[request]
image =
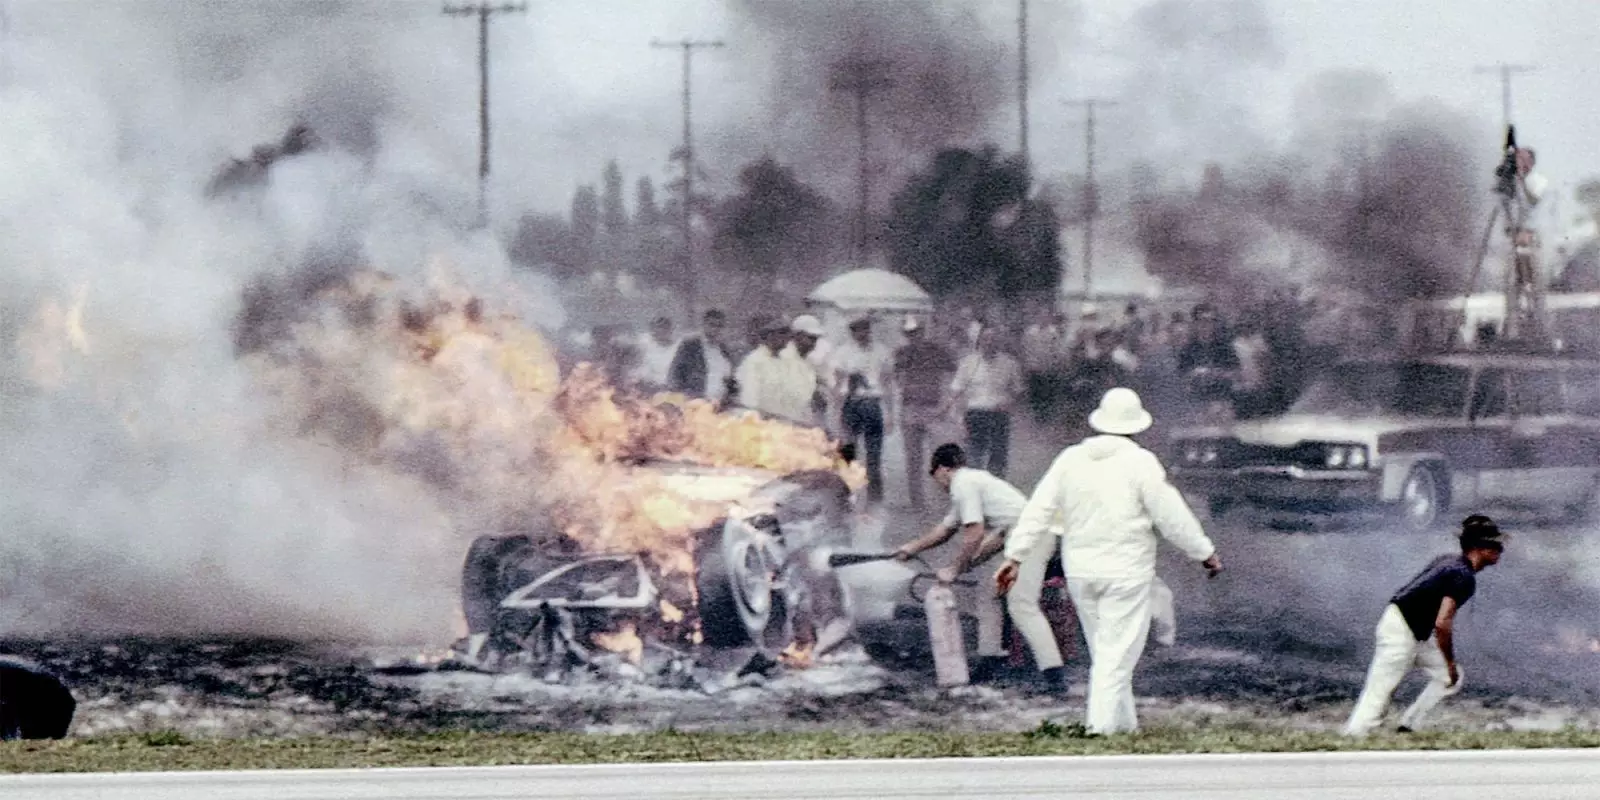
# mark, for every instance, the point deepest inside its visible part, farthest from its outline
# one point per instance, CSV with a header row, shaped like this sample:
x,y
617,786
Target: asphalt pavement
x,y
1500,775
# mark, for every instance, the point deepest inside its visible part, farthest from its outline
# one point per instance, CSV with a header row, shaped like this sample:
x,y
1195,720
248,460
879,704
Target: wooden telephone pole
x,y
688,46
483,10
1091,192
861,77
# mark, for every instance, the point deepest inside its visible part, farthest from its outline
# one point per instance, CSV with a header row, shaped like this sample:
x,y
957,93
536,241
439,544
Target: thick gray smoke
x,y
945,76
1364,193
147,487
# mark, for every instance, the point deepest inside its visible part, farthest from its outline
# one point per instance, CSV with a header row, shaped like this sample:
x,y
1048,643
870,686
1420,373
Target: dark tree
x,y
645,211
775,224
613,210
965,227
546,243
585,215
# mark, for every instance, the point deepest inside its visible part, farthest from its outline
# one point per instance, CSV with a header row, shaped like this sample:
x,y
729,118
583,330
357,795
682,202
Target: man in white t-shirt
x,y
656,352
863,371
987,385
984,507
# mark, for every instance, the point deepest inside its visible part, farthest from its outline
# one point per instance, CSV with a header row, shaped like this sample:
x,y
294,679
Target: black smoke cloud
x,y
948,77
1366,193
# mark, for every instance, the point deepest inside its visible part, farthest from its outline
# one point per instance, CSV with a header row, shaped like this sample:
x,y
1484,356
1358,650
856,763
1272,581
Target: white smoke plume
x,y
145,489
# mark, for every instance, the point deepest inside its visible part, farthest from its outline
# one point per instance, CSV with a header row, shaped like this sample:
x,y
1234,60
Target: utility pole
x,y
861,77
1505,71
5,42
1022,81
483,10
688,46
1091,193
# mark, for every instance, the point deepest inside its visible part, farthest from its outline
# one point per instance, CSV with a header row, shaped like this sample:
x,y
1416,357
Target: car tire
x,y
1422,500
33,703
483,577
736,600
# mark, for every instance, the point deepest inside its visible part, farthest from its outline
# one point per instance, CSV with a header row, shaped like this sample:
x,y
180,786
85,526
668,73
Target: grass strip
x,y
169,750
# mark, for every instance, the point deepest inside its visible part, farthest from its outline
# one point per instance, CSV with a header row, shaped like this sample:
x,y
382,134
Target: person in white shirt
x,y
805,334
1109,498
987,384
984,507
864,375
773,384
656,352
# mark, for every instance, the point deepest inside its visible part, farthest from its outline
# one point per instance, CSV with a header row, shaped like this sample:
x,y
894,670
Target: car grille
x,y
1239,454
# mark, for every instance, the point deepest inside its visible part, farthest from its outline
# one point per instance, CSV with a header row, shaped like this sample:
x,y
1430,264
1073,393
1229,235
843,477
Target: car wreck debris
x,y
33,703
240,173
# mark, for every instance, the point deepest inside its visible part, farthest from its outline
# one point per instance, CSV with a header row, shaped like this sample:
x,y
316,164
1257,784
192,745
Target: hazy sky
x,y
579,64
577,82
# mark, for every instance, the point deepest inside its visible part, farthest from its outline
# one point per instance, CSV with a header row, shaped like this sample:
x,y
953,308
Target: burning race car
x,y
760,581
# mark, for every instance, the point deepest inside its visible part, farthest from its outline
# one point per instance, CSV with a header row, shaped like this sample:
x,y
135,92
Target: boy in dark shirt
x,y
1417,630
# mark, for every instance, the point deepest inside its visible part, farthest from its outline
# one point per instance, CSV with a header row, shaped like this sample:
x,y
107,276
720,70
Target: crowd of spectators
x,y
955,368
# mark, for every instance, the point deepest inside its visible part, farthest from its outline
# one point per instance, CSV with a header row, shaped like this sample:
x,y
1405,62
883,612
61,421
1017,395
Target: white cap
x,y
1121,414
911,324
807,324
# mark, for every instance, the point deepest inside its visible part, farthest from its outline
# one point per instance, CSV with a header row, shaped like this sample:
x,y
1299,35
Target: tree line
x,y
965,225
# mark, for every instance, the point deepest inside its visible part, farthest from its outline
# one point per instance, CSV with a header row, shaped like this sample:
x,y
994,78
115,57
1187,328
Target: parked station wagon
x,y
1414,437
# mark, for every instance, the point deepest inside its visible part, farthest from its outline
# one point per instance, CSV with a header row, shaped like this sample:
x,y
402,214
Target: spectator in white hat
x,y
772,384
1109,498
808,358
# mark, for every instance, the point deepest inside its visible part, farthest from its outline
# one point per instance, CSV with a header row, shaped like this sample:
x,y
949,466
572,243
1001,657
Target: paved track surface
x,y
1501,775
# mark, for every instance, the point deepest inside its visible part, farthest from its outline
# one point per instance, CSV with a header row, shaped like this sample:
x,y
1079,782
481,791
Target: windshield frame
x,y
1326,395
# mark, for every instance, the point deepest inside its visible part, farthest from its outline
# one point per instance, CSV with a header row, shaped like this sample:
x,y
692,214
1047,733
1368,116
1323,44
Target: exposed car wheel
x,y
33,703
484,577
734,582
1422,499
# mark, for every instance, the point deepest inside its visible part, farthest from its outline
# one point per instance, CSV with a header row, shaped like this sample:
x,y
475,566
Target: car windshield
x,y
1431,390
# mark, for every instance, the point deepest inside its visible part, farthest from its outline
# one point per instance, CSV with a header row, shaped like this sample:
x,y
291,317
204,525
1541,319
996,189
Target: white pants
x,y
1115,615
1023,603
1397,652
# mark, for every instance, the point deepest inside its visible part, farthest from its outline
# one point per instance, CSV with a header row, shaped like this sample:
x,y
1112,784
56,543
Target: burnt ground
x,y
1282,638
262,687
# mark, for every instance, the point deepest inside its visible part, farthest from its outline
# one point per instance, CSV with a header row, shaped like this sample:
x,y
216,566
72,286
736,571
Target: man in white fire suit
x,y
1109,497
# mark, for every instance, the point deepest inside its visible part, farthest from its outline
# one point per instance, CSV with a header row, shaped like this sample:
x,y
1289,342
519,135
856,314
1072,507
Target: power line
x,y
1505,71
861,77
483,11
1022,79
688,46
1091,192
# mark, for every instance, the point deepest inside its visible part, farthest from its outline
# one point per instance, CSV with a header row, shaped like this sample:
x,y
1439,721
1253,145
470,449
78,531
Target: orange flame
x,y
624,641
797,655
526,447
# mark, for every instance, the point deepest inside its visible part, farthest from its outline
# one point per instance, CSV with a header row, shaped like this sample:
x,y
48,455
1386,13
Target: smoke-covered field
x,y
1245,654
1281,638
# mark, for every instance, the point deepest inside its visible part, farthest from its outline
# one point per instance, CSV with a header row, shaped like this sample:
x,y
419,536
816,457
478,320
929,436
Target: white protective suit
x,y
1110,497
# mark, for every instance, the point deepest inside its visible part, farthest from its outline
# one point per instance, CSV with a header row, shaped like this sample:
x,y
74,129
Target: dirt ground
x,y
1281,638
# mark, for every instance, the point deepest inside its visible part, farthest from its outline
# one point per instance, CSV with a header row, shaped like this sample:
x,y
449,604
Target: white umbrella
x,y
872,290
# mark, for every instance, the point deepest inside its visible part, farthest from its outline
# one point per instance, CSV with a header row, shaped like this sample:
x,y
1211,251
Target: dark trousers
x,y
989,440
863,419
